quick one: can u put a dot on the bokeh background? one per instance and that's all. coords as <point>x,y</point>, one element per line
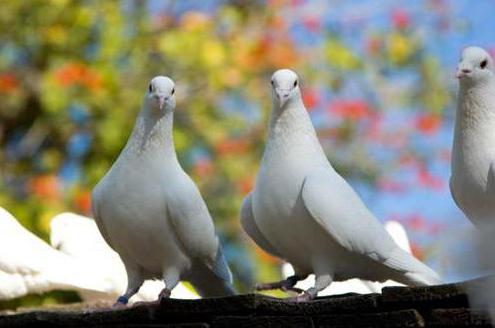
<point>377,78</point>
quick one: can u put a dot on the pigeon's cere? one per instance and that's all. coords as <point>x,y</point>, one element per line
<point>152,214</point>
<point>304,212</point>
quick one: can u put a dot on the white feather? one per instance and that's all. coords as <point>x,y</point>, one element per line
<point>396,231</point>
<point>29,265</point>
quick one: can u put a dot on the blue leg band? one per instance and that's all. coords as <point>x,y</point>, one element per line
<point>122,300</point>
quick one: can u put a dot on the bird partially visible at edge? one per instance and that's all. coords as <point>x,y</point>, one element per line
<point>472,182</point>
<point>28,265</point>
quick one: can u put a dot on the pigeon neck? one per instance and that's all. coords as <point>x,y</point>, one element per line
<point>291,125</point>
<point>290,118</point>
<point>475,105</point>
<point>153,132</point>
<point>473,132</point>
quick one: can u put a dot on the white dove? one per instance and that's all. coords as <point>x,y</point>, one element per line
<point>151,212</point>
<point>79,237</point>
<point>29,265</point>
<point>472,183</point>
<point>304,212</point>
<point>398,234</point>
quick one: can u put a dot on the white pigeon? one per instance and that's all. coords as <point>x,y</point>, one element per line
<point>472,183</point>
<point>79,237</point>
<point>29,265</point>
<point>304,212</point>
<point>151,212</point>
<point>398,234</point>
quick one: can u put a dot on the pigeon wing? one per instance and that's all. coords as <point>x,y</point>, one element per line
<point>334,205</point>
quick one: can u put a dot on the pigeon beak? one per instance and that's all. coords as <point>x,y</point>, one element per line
<point>282,95</point>
<point>161,101</point>
<point>462,71</point>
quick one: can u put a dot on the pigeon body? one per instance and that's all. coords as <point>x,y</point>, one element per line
<point>29,265</point>
<point>79,237</point>
<point>152,214</point>
<point>304,212</point>
<point>472,183</point>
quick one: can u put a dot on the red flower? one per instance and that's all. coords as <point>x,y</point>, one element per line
<point>297,2</point>
<point>203,168</point>
<point>264,256</point>
<point>392,186</point>
<point>8,82</point>
<point>351,109</point>
<point>45,186</point>
<point>83,201</point>
<point>417,251</point>
<point>78,73</point>
<point>400,19</point>
<point>416,222</point>
<point>231,146</point>
<point>312,23</point>
<point>310,98</point>
<point>428,123</point>
<point>426,179</point>
<point>245,185</point>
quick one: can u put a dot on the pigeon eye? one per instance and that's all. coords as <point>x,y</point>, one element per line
<point>272,83</point>
<point>173,91</point>
<point>295,83</point>
<point>150,88</point>
<point>484,63</point>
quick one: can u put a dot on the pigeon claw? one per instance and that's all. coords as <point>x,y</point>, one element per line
<point>121,302</point>
<point>164,295</point>
<point>303,297</point>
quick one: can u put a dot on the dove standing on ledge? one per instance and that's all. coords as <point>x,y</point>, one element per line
<point>304,212</point>
<point>472,183</point>
<point>151,212</point>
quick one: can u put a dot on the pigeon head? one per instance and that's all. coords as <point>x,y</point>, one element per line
<point>476,65</point>
<point>161,93</point>
<point>285,86</point>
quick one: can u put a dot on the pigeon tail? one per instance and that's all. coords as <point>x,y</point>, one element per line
<point>215,281</point>
<point>417,273</point>
<point>214,288</point>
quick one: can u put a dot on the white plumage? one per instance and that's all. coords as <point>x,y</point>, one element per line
<point>472,182</point>
<point>79,237</point>
<point>399,235</point>
<point>29,265</point>
<point>151,212</point>
<point>304,212</point>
